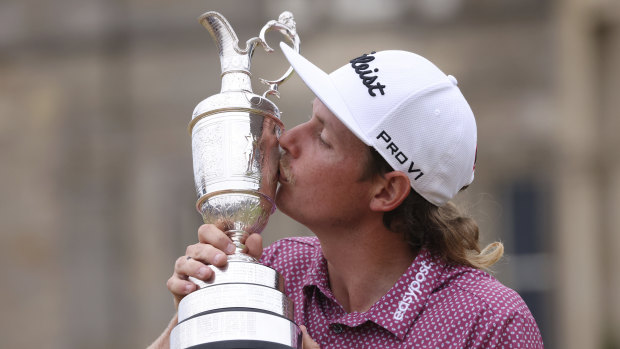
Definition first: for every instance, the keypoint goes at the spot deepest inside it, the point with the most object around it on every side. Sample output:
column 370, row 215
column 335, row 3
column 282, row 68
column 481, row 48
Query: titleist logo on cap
column 361, row 67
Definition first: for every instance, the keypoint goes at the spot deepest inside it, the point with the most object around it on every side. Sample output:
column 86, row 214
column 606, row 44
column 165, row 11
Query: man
column 394, row 264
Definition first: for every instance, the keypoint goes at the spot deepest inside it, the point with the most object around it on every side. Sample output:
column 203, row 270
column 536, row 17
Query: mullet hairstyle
column 444, row 231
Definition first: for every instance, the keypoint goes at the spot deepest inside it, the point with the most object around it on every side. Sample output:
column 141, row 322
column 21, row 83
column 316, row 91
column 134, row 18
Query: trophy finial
column 286, row 25
column 235, row 62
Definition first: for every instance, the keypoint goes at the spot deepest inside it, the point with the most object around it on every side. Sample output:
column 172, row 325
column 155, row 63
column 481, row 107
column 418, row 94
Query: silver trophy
column 235, row 151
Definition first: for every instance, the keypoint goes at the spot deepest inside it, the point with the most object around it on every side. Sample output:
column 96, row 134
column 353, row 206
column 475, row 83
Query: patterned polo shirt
column 432, row 305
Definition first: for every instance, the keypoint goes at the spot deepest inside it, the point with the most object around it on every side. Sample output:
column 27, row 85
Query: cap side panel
column 423, row 137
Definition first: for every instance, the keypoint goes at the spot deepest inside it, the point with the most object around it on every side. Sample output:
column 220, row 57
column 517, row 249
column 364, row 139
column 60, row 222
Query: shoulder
column 486, row 292
column 497, row 314
column 295, row 259
column 295, row 249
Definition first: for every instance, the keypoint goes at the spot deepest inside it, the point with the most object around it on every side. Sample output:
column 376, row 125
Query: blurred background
column 96, row 182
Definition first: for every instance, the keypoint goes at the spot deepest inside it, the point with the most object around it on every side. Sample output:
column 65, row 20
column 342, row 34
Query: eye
column 323, row 141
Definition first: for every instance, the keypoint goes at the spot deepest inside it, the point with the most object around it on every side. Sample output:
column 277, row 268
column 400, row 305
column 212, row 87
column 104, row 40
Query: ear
column 391, row 189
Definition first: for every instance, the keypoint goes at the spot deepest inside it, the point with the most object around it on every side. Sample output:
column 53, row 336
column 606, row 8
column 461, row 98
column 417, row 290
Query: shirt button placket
column 337, row 328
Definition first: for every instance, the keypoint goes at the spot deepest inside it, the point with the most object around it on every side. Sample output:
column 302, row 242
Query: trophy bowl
column 236, row 159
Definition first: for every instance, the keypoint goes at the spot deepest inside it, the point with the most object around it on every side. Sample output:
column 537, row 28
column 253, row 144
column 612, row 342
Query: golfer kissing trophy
column 235, row 152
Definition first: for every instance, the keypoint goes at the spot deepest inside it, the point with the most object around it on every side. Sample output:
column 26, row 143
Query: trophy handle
column 286, row 25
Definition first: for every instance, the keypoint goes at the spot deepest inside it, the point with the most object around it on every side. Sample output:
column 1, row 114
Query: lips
column 285, row 175
column 282, row 175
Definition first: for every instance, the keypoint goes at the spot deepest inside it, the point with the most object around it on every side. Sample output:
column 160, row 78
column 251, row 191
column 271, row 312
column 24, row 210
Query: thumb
column 306, row 341
column 254, row 245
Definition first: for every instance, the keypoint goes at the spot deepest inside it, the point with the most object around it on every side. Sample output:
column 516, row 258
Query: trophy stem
column 238, row 238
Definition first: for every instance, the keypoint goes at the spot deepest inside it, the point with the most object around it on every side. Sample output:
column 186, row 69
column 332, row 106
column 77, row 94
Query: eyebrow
column 319, row 119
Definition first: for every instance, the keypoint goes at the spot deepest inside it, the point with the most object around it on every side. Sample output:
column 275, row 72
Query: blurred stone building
column 96, row 179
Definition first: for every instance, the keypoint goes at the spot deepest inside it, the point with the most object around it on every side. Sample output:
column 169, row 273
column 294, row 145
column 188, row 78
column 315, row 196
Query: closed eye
column 323, row 141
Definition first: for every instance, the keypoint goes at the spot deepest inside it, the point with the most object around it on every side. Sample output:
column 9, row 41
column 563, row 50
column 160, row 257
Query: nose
column 289, row 141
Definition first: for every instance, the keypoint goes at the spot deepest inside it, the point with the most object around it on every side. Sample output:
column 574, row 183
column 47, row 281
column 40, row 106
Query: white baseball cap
column 412, row 113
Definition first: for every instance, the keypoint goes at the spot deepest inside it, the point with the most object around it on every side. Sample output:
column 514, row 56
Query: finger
column 202, row 253
column 187, row 266
column 306, row 341
column 194, row 268
column 179, row 287
column 254, row 245
column 178, row 284
column 212, row 235
column 184, row 292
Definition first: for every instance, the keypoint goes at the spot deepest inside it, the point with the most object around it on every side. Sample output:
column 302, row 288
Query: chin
column 284, row 204
column 280, row 204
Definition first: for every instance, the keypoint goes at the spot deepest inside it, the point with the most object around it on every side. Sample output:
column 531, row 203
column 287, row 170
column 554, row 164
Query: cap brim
column 322, row 86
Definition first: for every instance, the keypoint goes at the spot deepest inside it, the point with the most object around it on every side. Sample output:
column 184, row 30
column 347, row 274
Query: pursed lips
column 285, row 175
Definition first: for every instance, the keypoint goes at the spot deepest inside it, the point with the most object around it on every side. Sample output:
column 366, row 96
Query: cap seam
column 406, row 98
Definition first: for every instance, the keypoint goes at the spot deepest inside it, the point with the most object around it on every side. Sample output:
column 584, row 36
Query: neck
column 364, row 263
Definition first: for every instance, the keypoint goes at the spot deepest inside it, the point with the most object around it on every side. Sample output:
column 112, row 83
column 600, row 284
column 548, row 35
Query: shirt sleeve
column 516, row 331
column 269, row 254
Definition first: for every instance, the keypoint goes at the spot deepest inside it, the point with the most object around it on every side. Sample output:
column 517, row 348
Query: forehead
column 326, row 117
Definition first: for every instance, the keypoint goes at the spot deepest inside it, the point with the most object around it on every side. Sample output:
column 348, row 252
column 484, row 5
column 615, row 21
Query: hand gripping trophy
column 235, row 153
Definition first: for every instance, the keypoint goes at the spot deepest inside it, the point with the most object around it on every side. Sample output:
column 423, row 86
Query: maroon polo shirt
column 432, row 305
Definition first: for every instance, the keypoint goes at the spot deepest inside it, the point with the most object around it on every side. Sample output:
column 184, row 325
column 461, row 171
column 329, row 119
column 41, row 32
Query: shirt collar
column 317, row 275
column 397, row 310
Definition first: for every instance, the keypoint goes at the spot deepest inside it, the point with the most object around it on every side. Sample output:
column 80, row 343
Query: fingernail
column 202, row 271
column 189, row 288
column 218, row 258
column 230, row 248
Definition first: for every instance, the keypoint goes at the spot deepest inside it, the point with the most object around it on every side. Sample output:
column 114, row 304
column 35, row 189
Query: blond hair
column 445, row 231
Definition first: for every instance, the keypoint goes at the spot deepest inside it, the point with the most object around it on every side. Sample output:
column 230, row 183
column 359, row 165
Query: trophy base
column 238, row 328
column 242, row 306
column 243, row 272
column 237, row 295
column 241, row 345
column 238, row 344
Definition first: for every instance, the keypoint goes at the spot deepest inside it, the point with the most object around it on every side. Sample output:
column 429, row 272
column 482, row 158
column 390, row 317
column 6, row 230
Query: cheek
column 310, row 185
